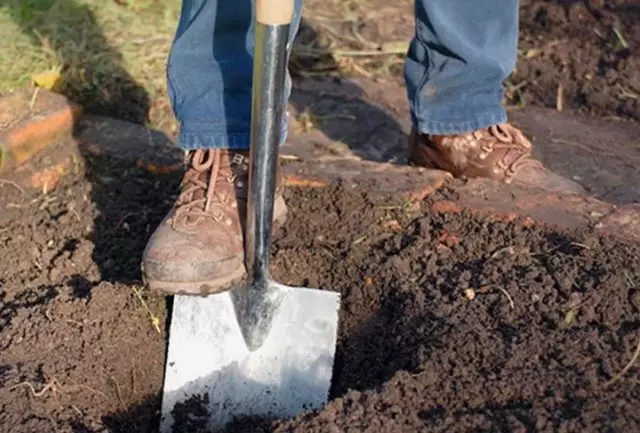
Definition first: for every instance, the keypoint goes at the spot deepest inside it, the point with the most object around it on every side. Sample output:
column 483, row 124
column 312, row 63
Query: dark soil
column 77, row 347
column 573, row 44
column 554, row 316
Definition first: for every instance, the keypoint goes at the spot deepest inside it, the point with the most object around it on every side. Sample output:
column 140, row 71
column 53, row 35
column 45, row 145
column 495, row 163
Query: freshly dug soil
column 588, row 49
column 458, row 324
column 448, row 322
column 77, row 346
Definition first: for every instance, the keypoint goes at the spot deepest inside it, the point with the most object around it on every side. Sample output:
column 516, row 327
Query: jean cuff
column 446, row 127
column 192, row 140
column 194, row 137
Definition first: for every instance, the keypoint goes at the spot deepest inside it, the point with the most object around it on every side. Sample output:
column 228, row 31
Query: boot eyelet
column 238, row 159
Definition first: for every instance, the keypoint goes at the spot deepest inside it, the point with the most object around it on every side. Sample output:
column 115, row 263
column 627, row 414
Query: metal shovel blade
column 290, row 372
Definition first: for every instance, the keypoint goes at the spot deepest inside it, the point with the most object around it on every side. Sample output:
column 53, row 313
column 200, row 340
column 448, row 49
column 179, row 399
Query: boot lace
column 198, row 198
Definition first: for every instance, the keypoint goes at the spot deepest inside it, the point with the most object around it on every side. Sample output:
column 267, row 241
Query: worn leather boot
column 500, row 152
column 198, row 249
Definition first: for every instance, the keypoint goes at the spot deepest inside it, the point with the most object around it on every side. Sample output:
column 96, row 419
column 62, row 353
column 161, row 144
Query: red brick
column 446, row 206
column 30, row 121
column 293, row 180
column 48, row 167
column 431, row 181
column 623, row 221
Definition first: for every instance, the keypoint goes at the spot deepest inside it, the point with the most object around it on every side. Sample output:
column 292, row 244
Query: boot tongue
column 203, row 172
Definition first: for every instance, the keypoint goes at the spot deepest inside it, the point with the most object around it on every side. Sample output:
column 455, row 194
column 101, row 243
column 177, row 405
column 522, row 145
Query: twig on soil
column 621, row 38
column 122, row 220
column 34, row 97
column 13, row 184
column 359, row 240
column 510, row 250
column 486, row 288
column 78, row 411
column 325, row 18
column 560, row 98
column 155, row 320
column 360, row 69
column 503, row 290
column 382, row 51
column 599, row 34
column 289, row 157
column 53, row 385
column 557, row 247
column 626, row 368
column 133, row 382
column 626, row 94
column 74, row 213
column 118, row 393
column 578, row 244
column 365, row 42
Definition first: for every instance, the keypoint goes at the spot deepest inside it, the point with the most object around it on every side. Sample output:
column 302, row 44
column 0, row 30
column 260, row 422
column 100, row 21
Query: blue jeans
column 461, row 53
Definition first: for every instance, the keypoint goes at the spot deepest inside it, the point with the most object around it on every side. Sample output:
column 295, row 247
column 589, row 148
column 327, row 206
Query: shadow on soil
column 24, row 300
column 340, row 110
column 129, row 201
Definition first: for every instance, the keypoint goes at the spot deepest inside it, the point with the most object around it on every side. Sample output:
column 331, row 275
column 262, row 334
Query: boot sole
column 215, row 285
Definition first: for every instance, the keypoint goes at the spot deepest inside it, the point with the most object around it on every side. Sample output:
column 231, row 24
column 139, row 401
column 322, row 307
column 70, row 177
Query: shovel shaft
column 257, row 302
column 270, row 59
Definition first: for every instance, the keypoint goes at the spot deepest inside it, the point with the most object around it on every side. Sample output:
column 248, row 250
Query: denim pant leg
column 210, row 72
column 461, row 53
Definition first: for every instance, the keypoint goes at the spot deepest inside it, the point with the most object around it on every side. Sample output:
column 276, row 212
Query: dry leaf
column 48, row 80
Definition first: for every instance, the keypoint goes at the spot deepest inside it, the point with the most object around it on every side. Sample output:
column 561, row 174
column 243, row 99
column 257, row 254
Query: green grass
column 112, row 56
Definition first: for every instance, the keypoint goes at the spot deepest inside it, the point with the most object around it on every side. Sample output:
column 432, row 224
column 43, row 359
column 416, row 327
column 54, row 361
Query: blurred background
column 110, row 55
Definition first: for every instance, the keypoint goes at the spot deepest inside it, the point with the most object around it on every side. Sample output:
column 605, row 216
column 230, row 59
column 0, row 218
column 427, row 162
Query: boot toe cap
column 173, row 256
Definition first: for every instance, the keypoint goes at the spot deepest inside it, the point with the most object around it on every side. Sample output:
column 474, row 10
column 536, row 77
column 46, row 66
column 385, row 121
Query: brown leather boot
column 500, row 152
column 199, row 247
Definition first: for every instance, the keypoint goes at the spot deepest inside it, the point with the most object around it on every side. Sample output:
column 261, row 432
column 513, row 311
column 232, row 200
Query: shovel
column 261, row 349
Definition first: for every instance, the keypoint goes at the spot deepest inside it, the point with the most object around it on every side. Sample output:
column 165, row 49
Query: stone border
column 32, row 119
column 535, row 207
column 44, row 141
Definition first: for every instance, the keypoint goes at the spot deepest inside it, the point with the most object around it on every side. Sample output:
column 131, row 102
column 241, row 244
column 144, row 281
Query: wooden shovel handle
column 274, row 12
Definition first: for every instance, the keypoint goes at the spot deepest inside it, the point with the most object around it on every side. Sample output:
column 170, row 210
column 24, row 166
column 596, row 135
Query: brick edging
column 32, row 120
